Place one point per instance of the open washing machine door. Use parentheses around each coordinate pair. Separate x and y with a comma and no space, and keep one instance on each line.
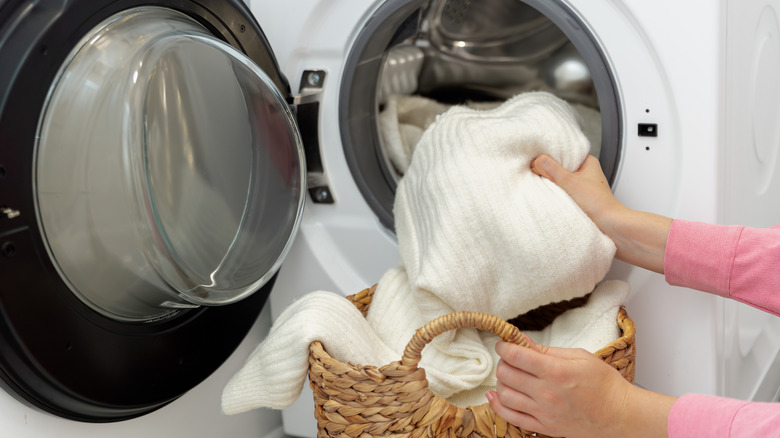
(153,181)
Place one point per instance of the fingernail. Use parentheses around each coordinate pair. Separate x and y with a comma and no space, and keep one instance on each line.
(489,396)
(537,163)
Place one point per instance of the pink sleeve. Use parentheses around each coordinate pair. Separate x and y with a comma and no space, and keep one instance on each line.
(731,261)
(734,262)
(694,415)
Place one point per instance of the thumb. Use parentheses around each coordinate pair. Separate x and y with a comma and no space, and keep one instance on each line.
(559,352)
(545,166)
(511,354)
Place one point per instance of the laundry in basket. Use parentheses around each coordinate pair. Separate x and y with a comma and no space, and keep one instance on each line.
(477,231)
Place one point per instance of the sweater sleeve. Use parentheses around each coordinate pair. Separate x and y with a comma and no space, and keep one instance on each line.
(734,262)
(696,416)
(731,261)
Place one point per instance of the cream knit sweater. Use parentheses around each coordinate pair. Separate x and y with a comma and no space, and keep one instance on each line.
(478,231)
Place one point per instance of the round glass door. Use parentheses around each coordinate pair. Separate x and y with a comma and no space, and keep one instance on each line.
(169,170)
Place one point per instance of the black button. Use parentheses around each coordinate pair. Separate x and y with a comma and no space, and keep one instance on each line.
(648,130)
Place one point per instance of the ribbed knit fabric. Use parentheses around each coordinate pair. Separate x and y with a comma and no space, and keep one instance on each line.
(477,231)
(275,372)
(460,367)
(404,119)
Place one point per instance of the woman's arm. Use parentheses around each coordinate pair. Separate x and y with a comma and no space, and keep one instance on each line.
(572,393)
(731,261)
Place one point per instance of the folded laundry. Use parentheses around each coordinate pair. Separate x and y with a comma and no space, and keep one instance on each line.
(478,231)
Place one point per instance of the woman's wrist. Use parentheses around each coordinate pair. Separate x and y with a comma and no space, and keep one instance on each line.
(640,237)
(646,414)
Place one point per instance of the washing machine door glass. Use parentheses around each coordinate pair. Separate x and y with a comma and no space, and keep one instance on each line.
(494,31)
(169,170)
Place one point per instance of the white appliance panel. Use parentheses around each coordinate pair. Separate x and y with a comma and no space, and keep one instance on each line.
(750,186)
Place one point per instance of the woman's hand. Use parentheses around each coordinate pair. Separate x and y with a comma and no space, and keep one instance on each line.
(588,187)
(640,237)
(572,393)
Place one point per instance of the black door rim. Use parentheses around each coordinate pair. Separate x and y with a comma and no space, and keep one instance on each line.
(56,353)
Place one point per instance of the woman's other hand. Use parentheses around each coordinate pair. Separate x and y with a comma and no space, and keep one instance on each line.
(572,393)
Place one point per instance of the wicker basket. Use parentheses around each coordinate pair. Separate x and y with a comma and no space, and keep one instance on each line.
(394,400)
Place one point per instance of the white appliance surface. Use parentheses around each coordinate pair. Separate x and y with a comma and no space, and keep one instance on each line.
(704,71)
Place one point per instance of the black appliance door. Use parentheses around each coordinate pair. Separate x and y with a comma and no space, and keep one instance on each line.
(151,183)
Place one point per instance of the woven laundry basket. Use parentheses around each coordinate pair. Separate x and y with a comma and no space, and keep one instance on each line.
(365,401)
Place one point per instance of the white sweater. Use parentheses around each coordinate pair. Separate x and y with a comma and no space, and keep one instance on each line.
(478,231)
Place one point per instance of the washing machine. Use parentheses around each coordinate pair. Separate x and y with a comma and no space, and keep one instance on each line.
(152,179)
(688,101)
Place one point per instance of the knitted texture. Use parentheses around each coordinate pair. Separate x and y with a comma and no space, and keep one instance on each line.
(275,372)
(460,368)
(404,119)
(478,230)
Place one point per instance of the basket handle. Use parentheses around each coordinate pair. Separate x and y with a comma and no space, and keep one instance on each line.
(482,321)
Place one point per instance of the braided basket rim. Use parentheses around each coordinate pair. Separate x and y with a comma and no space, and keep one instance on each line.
(479,420)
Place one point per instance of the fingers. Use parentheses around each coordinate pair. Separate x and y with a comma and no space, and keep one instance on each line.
(557,391)
(591,169)
(512,399)
(545,166)
(518,380)
(517,417)
(534,359)
(527,359)
(587,186)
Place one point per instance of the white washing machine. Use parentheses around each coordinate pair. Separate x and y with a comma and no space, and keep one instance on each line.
(115,317)
(688,98)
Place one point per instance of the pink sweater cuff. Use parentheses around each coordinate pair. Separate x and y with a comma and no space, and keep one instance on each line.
(698,416)
(700,256)
(694,415)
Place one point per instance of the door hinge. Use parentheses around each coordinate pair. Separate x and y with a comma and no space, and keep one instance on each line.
(307,112)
